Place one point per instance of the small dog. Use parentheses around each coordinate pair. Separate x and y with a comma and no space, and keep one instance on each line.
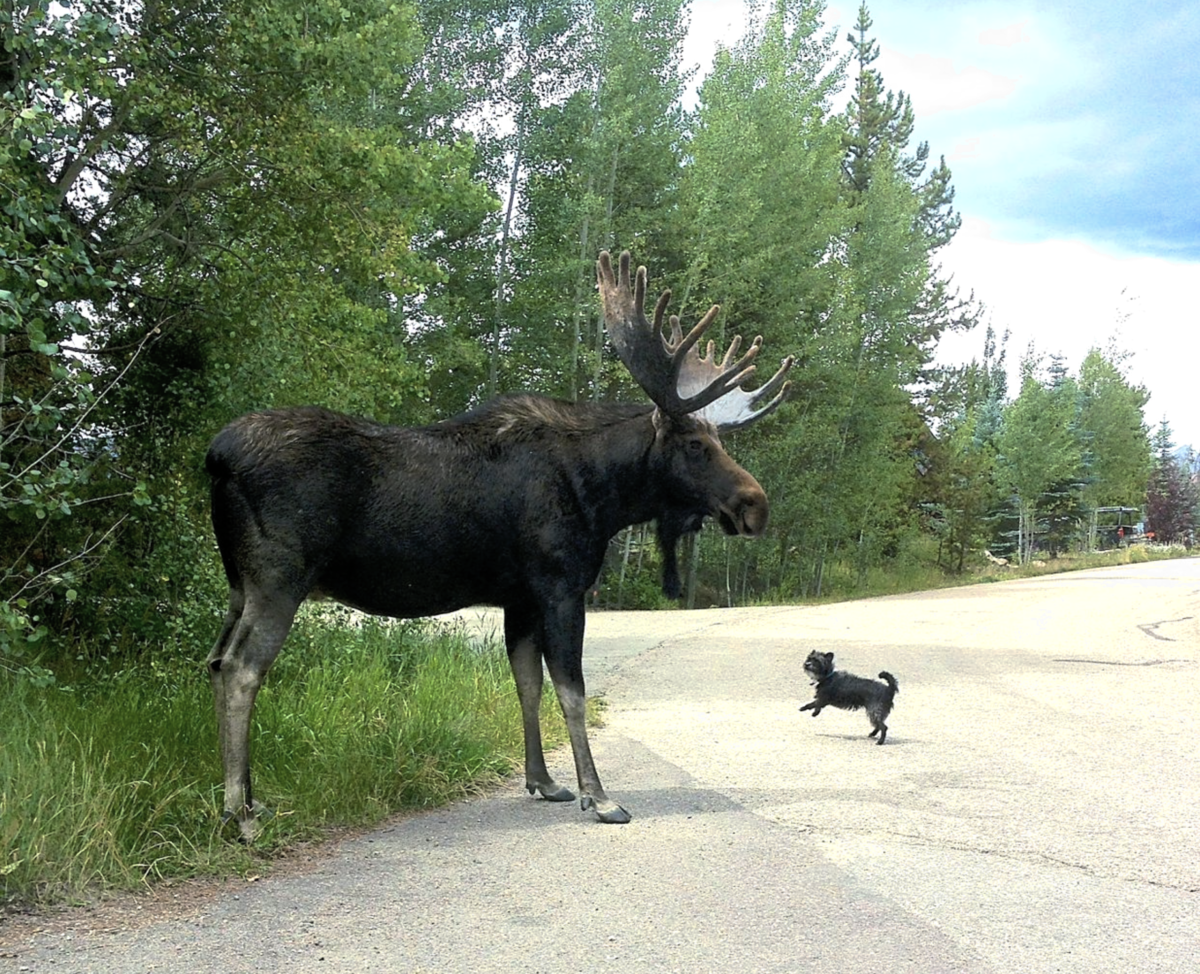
(849,692)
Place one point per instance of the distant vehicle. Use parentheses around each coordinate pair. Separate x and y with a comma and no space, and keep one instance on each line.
(1117,527)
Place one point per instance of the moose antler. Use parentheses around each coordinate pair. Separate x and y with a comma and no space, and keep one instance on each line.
(672,372)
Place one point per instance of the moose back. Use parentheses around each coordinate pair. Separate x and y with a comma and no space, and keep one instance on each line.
(512,504)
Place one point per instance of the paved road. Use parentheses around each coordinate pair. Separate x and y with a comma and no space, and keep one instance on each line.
(1033,810)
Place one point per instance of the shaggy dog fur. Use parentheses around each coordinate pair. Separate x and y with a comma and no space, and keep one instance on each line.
(849,692)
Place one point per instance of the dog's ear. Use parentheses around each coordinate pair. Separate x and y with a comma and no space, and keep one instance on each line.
(828,658)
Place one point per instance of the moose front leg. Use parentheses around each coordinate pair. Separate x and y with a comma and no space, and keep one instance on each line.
(525,659)
(563,650)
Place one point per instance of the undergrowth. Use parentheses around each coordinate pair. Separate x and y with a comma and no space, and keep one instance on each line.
(113,780)
(919,572)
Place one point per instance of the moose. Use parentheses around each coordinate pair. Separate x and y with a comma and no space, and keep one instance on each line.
(512,504)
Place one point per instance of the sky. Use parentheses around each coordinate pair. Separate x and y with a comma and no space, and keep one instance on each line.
(1073,134)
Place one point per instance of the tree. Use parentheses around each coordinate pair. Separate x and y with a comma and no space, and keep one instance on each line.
(761,201)
(889,307)
(601,161)
(1112,421)
(881,121)
(1038,449)
(216,207)
(1172,495)
(962,493)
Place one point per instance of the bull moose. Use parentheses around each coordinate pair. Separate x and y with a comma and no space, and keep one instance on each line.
(511,504)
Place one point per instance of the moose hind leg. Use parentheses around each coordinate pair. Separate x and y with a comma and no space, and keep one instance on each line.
(237,670)
(213,664)
(525,659)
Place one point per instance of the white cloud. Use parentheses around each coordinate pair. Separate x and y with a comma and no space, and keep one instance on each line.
(1006,36)
(713,23)
(1067,297)
(967,149)
(936,84)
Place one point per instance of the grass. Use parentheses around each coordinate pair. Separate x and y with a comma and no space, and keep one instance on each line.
(116,783)
(916,570)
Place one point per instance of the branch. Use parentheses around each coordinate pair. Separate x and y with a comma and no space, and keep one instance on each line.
(79,556)
(83,416)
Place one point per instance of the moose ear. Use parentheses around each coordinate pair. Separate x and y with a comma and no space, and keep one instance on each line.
(661,424)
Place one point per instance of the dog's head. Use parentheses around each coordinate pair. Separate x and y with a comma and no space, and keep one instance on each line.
(818,665)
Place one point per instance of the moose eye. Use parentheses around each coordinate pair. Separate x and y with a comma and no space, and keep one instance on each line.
(695,449)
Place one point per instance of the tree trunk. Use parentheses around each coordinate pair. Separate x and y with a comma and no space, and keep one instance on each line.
(693,562)
(624,567)
(502,265)
(581,296)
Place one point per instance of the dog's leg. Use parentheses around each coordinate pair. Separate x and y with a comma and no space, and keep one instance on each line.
(813,706)
(882,733)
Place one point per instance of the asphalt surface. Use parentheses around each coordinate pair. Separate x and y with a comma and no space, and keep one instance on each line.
(1033,810)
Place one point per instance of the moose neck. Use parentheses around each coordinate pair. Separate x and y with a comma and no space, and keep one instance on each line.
(615,475)
(604,454)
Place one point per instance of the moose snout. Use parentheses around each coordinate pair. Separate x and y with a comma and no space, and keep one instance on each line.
(745,513)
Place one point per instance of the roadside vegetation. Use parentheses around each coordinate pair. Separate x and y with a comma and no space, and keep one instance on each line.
(111,779)
(918,576)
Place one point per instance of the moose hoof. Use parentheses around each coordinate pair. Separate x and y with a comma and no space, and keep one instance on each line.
(248,821)
(607,810)
(551,792)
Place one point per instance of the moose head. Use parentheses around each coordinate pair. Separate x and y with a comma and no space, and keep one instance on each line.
(696,398)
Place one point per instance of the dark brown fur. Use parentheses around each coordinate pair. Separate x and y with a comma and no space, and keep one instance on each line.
(512,505)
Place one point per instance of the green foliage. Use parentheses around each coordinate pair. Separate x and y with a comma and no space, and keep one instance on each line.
(1038,446)
(207,211)
(599,161)
(632,575)
(1112,421)
(248,203)
(116,783)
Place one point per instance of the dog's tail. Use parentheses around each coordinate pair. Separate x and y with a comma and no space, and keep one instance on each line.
(890,681)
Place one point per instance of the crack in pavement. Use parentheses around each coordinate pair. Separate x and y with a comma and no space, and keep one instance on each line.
(1149,627)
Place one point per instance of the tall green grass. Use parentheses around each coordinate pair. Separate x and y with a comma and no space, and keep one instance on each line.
(117,781)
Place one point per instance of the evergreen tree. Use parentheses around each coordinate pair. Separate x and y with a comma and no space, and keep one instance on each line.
(880,120)
(1172,496)
(890,306)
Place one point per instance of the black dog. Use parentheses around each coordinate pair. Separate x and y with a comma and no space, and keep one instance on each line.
(849,692)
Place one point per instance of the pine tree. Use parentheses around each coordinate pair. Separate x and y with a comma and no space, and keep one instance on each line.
(1172,495)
